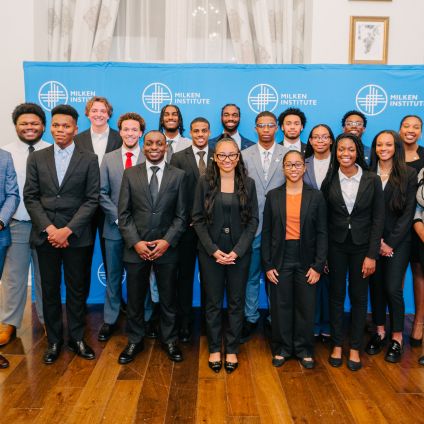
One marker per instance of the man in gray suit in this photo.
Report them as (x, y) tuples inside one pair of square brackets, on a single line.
[(264, 162), (131, 127)]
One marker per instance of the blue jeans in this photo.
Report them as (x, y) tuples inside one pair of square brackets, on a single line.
[(251, 307)]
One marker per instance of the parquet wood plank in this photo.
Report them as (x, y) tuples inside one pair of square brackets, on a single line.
[(20, 415), (14, 361), (271, 402), (364, 411), (211, 401), (153, 400), (125, 392)]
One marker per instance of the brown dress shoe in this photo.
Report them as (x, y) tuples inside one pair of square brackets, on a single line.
[(7, 333), (4, 363)]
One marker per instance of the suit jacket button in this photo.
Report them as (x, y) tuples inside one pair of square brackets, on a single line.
[(58, 196)]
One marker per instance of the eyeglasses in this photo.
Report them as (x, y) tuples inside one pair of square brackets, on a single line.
[(270, 126), (354, 124), (297, 165), (223, 156), (321, 137)]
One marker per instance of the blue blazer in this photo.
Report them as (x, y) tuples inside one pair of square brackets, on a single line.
[(309, 176), (9, 194), (245, 142)]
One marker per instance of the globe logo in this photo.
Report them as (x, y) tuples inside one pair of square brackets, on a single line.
[(262, 97), (371, 99), (101, 275), (51, 93), (155, 96)]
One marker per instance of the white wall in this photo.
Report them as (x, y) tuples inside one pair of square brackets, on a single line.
[(329, 22)]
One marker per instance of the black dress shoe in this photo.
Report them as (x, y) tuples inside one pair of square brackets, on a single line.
[(105, 332), (394, 353), (215, 366), (52, 353), (415, 342), (230, 366), (307, 364), (278, 362), (4, 363), (130, 352), (184, 335), (173, 351), (335, 362), (375, 344), (354, 365), (248, 330), (421, 360), (81, 348)]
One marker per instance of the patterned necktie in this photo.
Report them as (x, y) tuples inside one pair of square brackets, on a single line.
[(267, 163), (31, 148), (154, 184), (170, 149), (202, 164), (128, 162)]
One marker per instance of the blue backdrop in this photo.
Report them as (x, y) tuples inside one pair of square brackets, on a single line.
[(323, 92)]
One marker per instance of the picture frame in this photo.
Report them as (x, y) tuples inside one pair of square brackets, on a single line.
[(369, 39)]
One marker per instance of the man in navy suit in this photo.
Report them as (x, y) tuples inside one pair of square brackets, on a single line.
[(292, 121), (355, 122), (9, 201), (230, 119)]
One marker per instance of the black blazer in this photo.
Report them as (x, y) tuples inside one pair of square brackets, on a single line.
[(72, 204), (397, 227), (241, 235), (186, 161), (367, 217), (139, 219), (84, 141), (313, 229)]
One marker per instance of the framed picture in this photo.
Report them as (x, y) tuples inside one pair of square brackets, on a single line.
[(368, 39)]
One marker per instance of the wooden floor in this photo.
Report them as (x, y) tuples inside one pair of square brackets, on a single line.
[(154, 390)]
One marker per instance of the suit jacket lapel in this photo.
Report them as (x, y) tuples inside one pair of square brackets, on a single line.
[(166, 177), (52, 166), (259, 169), (363, 183), (192, 161), (306, 199), (144, 181), (310, 171), (275, 163), (282, 208)]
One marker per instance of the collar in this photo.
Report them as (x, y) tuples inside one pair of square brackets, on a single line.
[(161, 165), (356, 177), (68, 150), (262, 150), (135, 151), (105, 133), (196, 149), (173, 140), (297, 144), (24, 146)]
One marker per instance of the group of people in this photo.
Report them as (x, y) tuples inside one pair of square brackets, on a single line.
[(314, 217)]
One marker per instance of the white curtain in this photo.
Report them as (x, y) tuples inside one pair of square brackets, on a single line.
[(240, 31), (267, 31), (81, 29), (172, 31)]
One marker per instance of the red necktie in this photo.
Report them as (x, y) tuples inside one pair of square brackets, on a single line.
[(128, 162)]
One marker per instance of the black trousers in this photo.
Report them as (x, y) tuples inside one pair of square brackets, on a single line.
[(292, 307), (97, 224), (218, 279), (75, 262), (386, 288), (187, 252), (137, 285), (343, 258)]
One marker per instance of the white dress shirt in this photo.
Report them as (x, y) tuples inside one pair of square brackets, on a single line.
[(178, 143), (19, 151), (293, 146), (197, 157), (159, 173), (62, 159), (99, 143), (237, 138), (135, 152), (320, 169), (350, 186)]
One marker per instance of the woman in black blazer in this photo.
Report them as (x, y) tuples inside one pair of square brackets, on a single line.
[(400, 186), (294, 251), (225, 217), (355, 205)]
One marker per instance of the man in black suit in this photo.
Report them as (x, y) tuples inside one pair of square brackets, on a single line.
[(61, 195), (355, 122), (98, 139), (193, 160), (230, 119), (292, 121), (152, 215)]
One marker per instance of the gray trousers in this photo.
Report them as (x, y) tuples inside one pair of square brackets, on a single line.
[(14, 282)]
